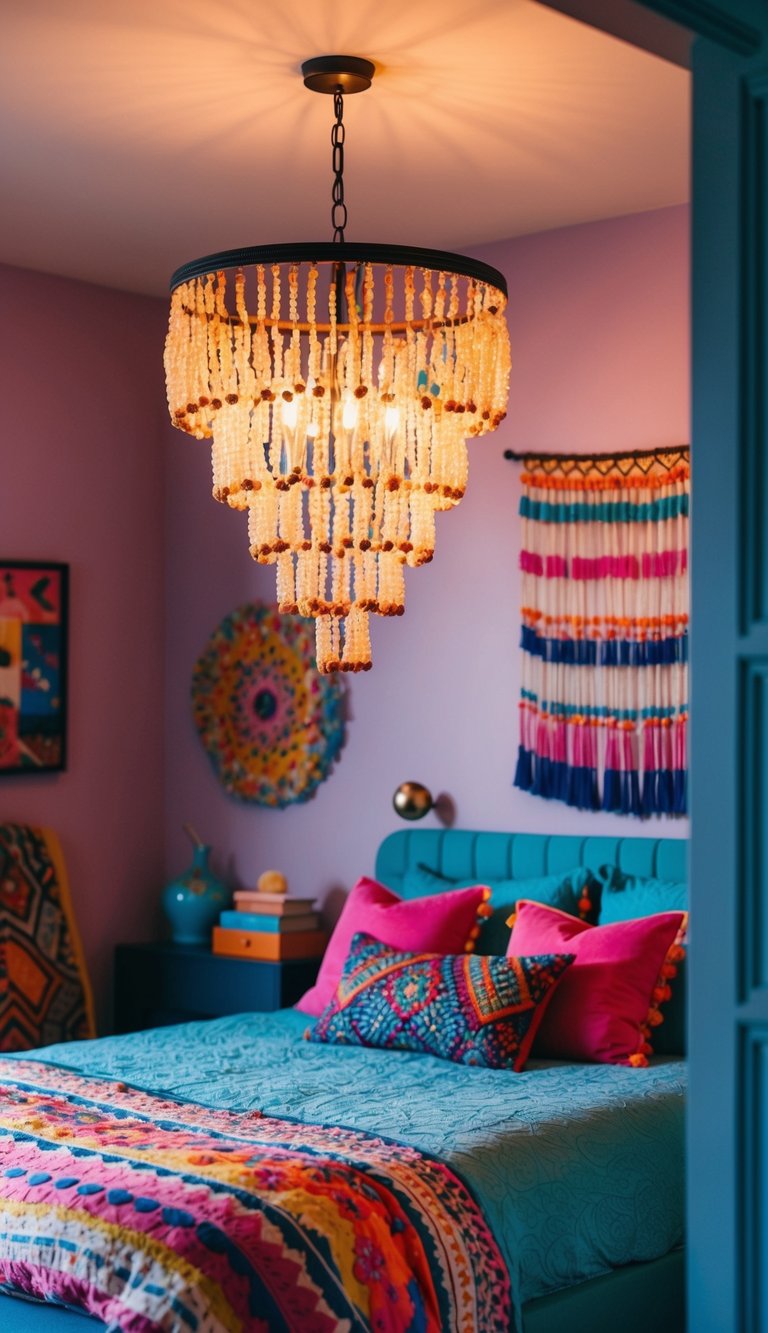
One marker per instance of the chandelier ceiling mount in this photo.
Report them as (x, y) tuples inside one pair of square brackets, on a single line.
[(324, 74)]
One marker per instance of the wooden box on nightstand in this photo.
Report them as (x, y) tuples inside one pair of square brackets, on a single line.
[(157, 984)]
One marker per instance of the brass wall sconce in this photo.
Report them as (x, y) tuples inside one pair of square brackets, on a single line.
[(413, 800)]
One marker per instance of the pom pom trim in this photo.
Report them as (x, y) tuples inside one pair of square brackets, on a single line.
[(483, 910), (662, 992)]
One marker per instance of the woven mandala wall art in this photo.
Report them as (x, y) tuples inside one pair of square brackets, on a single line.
[(271, 724)]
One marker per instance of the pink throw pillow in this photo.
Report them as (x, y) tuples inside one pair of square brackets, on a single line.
[(607, 1001), (441, 923)]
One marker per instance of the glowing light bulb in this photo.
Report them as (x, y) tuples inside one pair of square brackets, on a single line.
[(391, 420), (349, 414), (290, 414)]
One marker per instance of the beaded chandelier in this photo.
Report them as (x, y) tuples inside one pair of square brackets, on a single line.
[(338, 383)]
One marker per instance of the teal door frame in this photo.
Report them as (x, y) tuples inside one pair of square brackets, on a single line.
[(725, 44)]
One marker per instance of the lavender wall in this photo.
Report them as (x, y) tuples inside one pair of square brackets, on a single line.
[(81, 481), (599, 326)]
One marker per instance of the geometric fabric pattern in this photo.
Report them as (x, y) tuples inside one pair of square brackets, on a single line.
[(152, 1214), (472, 1009), (44, 992)]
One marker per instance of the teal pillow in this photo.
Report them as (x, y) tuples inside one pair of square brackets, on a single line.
[(565, 890), (625, 897)]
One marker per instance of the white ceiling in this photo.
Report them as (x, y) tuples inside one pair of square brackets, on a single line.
[(136, 136)]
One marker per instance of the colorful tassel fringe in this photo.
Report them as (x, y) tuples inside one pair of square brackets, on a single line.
[(603, 711)]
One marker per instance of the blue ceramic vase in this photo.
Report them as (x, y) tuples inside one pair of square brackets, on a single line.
[(192, 902)]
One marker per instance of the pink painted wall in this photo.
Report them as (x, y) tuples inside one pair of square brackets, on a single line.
[(81, 481), (599, 326)]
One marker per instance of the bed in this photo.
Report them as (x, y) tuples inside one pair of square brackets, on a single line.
[(570, 1174)]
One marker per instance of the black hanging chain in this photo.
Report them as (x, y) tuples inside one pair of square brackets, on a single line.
[(339, 209)]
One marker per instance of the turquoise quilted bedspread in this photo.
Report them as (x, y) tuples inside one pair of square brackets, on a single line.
[(578, 1168)]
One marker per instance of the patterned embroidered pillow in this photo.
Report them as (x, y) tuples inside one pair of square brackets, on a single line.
[(472, 1009)]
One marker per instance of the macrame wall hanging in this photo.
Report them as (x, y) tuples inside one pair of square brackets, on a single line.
[(604, 690)]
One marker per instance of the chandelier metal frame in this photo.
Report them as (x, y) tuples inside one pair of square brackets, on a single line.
[(353, 252)]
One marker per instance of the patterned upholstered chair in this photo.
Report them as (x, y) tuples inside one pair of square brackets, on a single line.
[(45, 994)]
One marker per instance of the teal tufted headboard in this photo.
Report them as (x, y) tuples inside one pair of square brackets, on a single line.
[(462, 854)]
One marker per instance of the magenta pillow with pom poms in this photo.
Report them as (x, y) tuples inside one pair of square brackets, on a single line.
[(440, 923), (608, 1003)]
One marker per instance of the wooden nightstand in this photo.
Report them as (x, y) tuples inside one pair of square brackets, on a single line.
[(157, 984)]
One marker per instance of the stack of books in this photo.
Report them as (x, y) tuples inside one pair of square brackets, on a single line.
[(269, 927)]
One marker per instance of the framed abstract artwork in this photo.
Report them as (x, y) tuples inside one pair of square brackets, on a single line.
[(33, 666)]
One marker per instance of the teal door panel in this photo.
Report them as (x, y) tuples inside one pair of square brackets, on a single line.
[(728, 959), (728, 1043)]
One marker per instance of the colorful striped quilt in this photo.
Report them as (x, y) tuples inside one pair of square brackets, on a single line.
[(155, 1214)]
